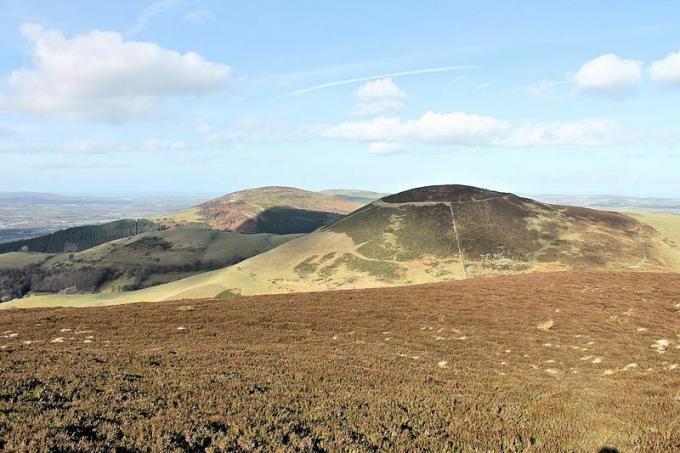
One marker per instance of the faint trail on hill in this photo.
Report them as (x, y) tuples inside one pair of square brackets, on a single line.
[(641, 245), (455, 231)]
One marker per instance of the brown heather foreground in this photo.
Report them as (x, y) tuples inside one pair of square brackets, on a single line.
[(540, 362)]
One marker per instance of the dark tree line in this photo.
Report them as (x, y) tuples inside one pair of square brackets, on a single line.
[(82, 237), (16, 283)]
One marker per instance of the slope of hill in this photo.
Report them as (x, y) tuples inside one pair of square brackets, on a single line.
[(132, 263), (540, 362), (430, 234), (278, 210), (81, 237)]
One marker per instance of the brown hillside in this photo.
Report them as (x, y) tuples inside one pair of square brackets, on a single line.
[(539, 362), (491, 231), (269, 209)]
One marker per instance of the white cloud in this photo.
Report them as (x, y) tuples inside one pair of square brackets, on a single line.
[(543, 89), (385, 135), (386, 148), (584, 133), (101, 76), (433, 128), (465, 129), (376, 107), (250, 128), (378, 90), (104, 147), (378, 96), (200, 16), (667, 70), (203, 127), (609, 76)]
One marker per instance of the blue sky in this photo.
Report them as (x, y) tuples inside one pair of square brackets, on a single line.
[(207, 97)]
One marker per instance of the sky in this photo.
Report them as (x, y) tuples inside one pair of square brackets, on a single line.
[(211, 96)]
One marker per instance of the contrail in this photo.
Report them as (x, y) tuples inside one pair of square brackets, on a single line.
[(379, 76)]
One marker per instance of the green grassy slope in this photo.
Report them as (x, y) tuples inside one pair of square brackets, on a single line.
[(137, 262)]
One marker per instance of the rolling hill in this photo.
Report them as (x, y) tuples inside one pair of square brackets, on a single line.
[(136, 262), (429, 234), (277, 210)]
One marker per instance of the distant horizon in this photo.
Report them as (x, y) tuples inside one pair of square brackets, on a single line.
[(219, 194)]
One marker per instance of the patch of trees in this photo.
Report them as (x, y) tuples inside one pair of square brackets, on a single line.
[(82, 237), (16, 283), (77, 280), (150, 243), (143, 272)]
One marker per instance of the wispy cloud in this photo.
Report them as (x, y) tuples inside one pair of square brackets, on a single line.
[(105, 147), (148, 13), (199, 16), (545, 88), (472, 130), (6, 132), (379, 76), (386, 135)]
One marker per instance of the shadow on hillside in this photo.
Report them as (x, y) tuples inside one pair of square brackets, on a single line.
[(285, 220)]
